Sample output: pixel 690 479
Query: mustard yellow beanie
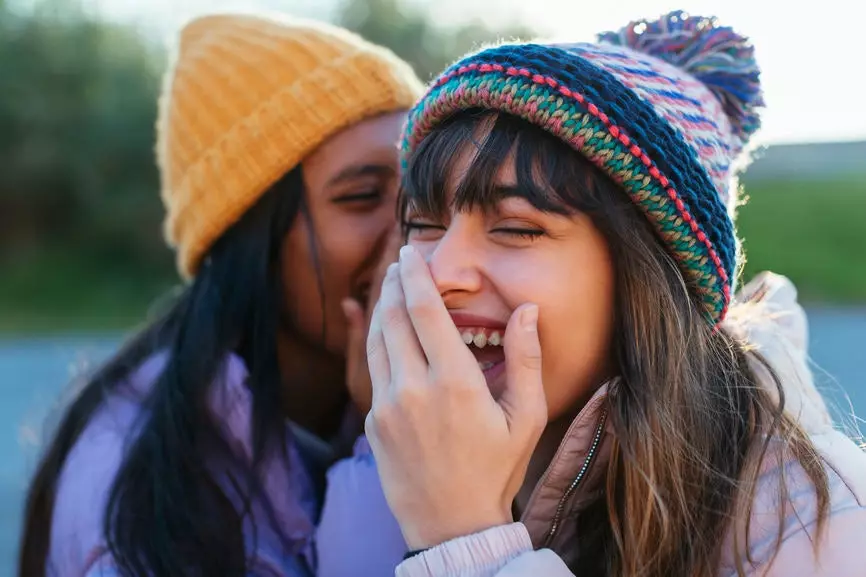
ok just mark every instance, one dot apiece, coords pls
pixel 245 99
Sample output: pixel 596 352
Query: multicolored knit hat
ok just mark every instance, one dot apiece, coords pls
pixel 664 107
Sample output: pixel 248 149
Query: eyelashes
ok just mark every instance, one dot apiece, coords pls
pixel 412 225
pixel 370 195
pixel 521 233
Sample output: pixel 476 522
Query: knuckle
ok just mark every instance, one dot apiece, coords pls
pixel 393 314
pixel 391 414
pixel 421 308
pixel 380 420
pixel 370 427
pixel 410 397
pixel 532 361
pixel 456 385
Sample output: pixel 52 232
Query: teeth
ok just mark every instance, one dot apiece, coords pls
pixel 486 365
pixel 480 338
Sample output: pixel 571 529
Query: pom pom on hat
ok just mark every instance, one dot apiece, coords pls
pixel 717 56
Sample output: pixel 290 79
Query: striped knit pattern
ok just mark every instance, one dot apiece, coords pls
pixel 679 100
pixel 654 129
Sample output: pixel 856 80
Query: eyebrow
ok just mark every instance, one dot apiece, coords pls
pixel 359 170
pixel 544 203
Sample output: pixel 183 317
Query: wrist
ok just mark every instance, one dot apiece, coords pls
pixel 427 535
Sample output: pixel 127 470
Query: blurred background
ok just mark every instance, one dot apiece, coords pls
pixel 81 251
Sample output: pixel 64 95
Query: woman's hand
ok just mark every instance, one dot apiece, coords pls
pixel 358 318
pixel 450 456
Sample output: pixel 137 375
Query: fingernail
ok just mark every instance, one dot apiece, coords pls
pixel 350 314
pixel 529 318
pixel 406 250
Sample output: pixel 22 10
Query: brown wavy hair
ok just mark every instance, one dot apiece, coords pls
pixel 692 420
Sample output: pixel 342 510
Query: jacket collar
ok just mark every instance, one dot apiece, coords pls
pixel 575 476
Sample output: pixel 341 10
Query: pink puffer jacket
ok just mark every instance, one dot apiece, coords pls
pixel 525 549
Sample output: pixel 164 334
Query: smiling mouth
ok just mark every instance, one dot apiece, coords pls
pixel 486 345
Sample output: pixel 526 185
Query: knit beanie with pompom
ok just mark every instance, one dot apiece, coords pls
pixel 664 107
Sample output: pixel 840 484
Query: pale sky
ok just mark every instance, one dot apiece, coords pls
pixel 813 58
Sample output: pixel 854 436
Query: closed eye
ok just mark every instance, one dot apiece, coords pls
pixel 524 233
pixel 411 225
pixel 422 231
pixel 360 197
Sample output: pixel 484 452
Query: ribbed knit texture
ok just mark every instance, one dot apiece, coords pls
pixel 666 124
pixel 246 98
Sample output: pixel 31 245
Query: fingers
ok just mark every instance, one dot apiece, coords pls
pixel 356 337
pixel 523 399
pixel 377 345
pixel 405 357
pixel 377 354
pixel 377 357
pixel 355 320
pixel 439 337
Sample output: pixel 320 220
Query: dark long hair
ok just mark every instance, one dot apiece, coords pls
pixel 166 515
pixel 691 419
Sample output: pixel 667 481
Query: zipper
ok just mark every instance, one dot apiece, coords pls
pixel 590 456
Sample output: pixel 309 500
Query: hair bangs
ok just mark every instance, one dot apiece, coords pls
pixel 432 187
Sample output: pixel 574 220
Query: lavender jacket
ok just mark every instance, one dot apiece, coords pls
pixel 287 536
pixel 357 535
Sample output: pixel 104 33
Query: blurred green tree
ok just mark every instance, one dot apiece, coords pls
pixel 414 36
pixel 79 207
pixel 80 237
pixel 76 130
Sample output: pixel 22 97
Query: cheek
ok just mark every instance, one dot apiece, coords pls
pixel 347 247
pixel 575 297
pixel 301 284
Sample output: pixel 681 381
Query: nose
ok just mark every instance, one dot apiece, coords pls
pixel 454 262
